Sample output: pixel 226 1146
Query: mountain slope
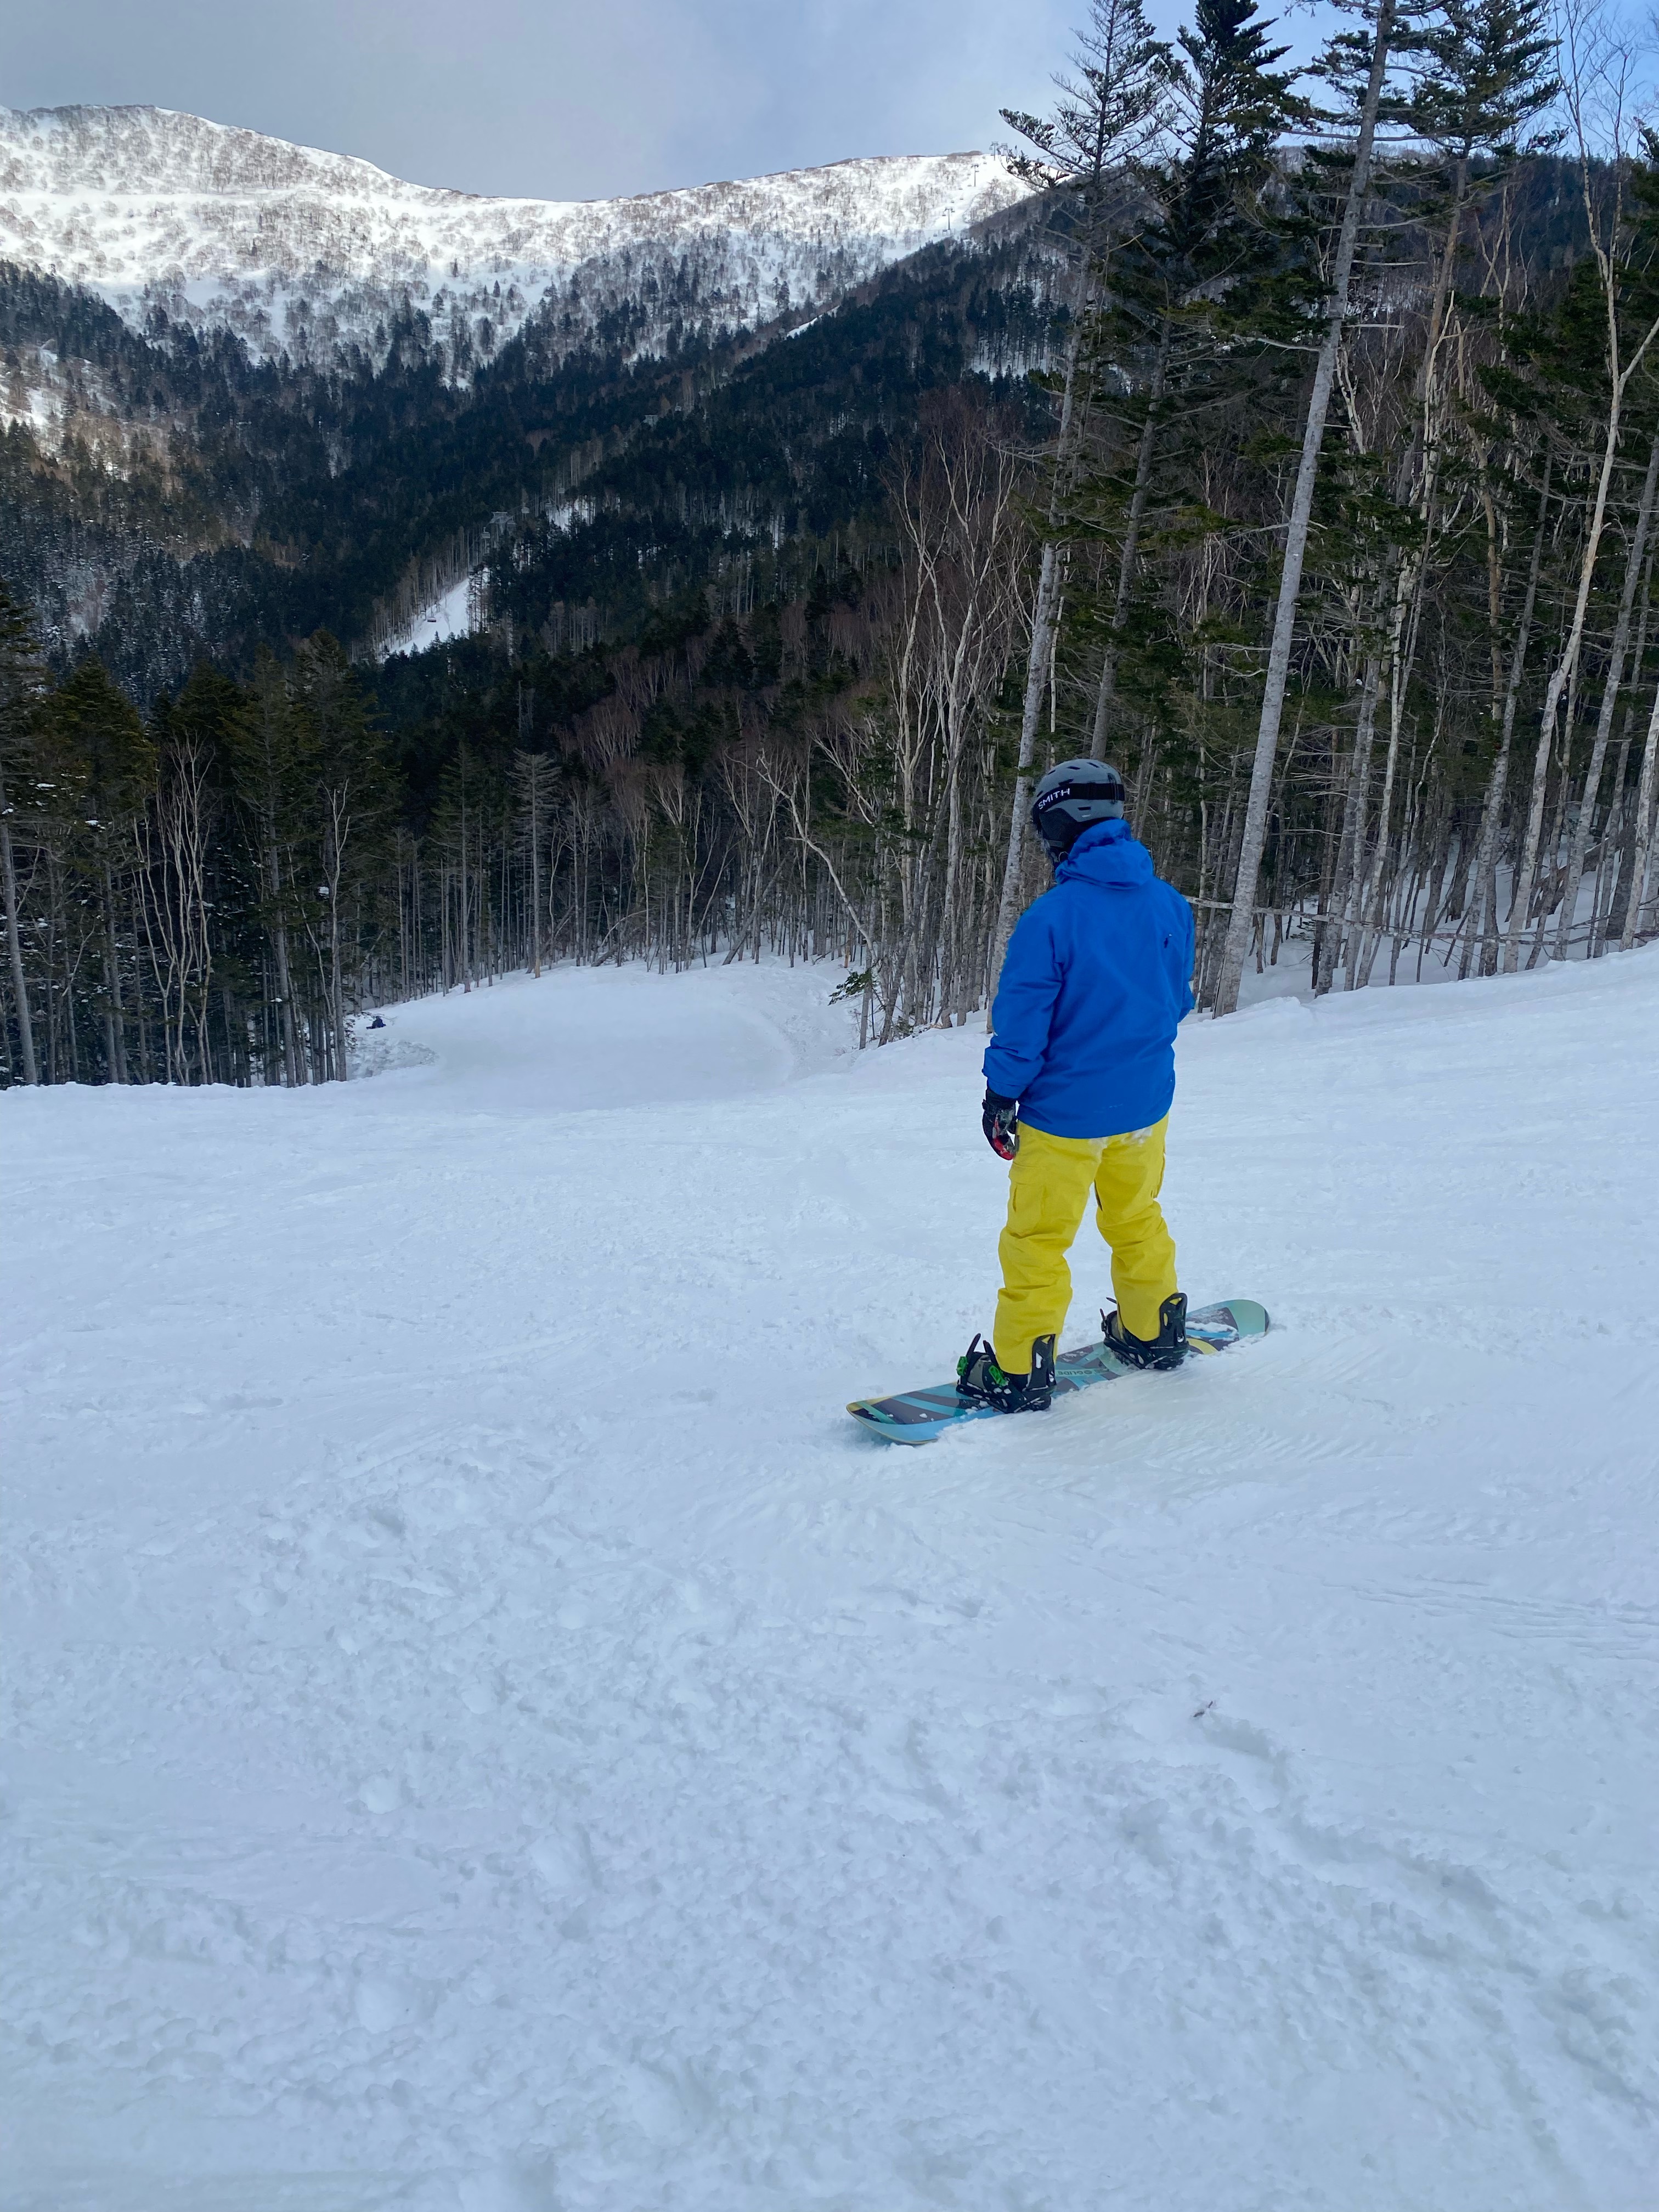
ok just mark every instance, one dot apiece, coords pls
pixel 314 255
pixel 484 1730
pixel 250 390
pixel 194 501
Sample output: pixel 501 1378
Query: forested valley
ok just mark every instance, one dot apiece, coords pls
pixel 1296 448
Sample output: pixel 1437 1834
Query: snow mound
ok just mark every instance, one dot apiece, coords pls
pixel 373 1054
pixel 486 1732
pixel 314 254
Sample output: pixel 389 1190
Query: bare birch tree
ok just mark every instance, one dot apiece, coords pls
pixel 1254 835
pixel 1110 116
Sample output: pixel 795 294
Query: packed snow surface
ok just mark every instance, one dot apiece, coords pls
pixel 313 252
pixel 447 615
pixel 489 1734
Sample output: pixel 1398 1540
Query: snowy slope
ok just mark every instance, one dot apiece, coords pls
pixel 313 252
pixel 488 1735
pixel 449 614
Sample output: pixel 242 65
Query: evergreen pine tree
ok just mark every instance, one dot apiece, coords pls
pixel 103 754
pixel 1182 290
pixel 1091 153
pixel 348 773
pixel 21 682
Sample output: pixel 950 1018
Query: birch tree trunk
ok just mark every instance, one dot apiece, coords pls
pixel 1131 549
pixel 1368 909
pixel 1037 680
pixel 291 1060
pixel 1483 904
pixel 1353 821
pixel 465 915
pixel 1581 834
pixel 15 945
pixel 536 885
pixel 1419 482
pixel 1644 792
pixel 338 831
pixel 1239 927
pixel 114 1012
pixel 1619 372
pixel 1613 873
pixel 1561 676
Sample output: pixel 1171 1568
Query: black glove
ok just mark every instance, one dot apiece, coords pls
pixel 997 1118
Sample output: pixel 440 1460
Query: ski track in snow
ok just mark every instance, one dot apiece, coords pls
pixel 447 615
pixel 486 1732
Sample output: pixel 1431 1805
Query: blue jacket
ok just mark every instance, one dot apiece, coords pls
pixel 1096 979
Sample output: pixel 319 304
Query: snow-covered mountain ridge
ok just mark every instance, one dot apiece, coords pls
pixel 314 253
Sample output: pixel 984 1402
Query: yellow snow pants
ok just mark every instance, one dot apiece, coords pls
pixel 1048 1186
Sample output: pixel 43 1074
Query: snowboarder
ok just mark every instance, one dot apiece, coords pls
pixel 1080 1078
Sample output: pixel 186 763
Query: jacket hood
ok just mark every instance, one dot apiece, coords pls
pixel 1106 853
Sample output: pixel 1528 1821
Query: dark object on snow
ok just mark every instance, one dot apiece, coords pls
pixel 1074 796
pixel 1167 1349
pixel 997 1118
pixel 980 1382
pixel 377 1023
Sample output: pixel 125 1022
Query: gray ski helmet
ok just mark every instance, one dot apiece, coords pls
pixel 1075 794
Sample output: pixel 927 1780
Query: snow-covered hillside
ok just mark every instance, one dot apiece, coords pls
pixel 487 1734
pixel 313 252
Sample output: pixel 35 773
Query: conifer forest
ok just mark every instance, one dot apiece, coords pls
pixel 1295 446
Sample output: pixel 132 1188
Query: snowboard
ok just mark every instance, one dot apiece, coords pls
pixel 920 1417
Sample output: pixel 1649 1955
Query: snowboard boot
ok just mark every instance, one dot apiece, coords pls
pixel 1167 1349
pixel 983 1382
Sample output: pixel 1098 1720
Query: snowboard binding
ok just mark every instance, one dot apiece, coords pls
pixel 1158 1353
pixel 980 1382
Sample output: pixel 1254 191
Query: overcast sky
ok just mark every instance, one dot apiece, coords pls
pixel 558 99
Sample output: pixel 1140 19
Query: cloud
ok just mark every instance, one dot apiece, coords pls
pixel 559 100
